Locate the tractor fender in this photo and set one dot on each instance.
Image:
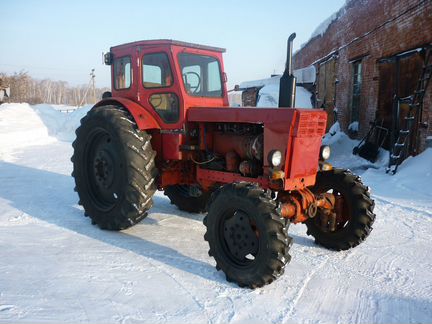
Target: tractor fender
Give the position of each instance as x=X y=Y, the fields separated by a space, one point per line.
x=141 y=116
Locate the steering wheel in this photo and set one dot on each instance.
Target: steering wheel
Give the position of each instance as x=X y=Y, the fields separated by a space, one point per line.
x=156 y=100
x=194 y=89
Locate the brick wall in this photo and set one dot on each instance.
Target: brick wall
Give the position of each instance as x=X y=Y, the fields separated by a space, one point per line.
x=372 y=30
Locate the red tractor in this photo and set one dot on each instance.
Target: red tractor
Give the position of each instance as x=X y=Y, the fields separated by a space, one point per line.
x=167 y=126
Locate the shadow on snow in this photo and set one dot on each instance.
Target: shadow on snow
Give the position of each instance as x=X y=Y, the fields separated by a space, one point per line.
x=49 y=197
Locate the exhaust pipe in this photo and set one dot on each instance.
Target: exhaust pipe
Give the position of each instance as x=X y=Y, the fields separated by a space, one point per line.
x=287 y=85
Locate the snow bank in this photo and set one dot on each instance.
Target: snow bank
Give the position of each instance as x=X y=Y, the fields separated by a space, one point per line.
x=59 y=124
x=354 y=126
x=23 y=125
x=341 y=152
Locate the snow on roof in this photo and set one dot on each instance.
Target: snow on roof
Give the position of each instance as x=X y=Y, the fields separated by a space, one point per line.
x=268 y=95
x=323 y=26
x=260 y=83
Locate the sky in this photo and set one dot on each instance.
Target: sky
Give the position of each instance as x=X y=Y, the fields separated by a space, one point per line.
x=64 y=40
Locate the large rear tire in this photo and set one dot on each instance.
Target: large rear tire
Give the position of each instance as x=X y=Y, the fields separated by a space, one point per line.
x=354 y=216
x=188 y=198
x=247 y=235
x=113 y=167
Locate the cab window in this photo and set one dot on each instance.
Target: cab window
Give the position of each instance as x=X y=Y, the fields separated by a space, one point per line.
x=166 y=106
x=157 y=74
x=156 y=71
x=201 y=75
x=122 y=73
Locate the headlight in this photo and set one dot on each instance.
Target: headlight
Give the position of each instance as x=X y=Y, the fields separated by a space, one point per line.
x=325 y=152
x=275 y=158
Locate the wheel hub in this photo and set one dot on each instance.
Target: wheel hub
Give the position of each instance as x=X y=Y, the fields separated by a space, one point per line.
x=103 y=169
x=240 y=236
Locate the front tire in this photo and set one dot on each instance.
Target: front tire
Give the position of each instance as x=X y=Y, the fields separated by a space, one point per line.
x=247 y=235
x=113 y=167
x=354 y=214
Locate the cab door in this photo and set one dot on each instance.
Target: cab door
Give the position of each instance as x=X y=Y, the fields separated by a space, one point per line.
x=159 y=87
x=159 y=91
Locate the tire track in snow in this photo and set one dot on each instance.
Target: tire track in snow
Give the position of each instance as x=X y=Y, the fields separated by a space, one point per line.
x=188 y=291
x=424 y=213
x=290 y=311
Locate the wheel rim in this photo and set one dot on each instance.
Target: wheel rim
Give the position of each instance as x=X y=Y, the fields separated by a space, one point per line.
x=102 y=170
x=240 y=238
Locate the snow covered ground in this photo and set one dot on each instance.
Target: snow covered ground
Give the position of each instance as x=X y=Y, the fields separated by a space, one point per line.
x=56 y=267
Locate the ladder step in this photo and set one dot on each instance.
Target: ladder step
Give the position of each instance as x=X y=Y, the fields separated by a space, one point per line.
x=406 y=100
x=409 y=118
x=414 y=105
x=395 y=157
x=400 y=144
x=404 y=132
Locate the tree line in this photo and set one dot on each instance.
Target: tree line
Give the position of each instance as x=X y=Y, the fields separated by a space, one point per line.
x=24 y=88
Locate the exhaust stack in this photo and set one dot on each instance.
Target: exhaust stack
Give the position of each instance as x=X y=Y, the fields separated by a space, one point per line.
x=287 y=85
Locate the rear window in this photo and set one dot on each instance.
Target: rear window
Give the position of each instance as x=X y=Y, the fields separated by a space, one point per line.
x=122 y=73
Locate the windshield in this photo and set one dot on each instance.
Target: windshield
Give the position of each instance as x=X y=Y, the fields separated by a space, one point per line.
x=201 y=75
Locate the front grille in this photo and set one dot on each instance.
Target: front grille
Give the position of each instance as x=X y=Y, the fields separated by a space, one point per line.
x=310 y=124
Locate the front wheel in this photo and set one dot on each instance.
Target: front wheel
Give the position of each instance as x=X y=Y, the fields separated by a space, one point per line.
x=247 y=235
x=353 y=209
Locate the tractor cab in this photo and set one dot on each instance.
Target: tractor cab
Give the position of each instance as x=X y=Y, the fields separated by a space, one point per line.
x=167 y=77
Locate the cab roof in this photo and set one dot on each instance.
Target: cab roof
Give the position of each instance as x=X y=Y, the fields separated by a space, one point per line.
x=170 y=42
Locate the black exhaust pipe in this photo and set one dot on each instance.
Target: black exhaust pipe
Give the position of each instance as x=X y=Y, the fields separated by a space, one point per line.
x=287 y=85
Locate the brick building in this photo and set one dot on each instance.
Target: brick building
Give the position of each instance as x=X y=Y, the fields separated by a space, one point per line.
x=367 y=54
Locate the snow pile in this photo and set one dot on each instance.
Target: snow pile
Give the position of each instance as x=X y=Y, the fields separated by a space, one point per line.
x=59 y=124
x=22 y=125
x=354 y=127
x=341 y=152
x=413 y=175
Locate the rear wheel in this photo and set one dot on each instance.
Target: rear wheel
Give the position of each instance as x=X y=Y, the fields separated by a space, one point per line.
x=247 y=236
x=353 y=209
x=113 y=167
x=189 y=198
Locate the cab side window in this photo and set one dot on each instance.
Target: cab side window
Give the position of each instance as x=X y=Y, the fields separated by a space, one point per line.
x=122 y=73
x=157 y=74
x=156 y=71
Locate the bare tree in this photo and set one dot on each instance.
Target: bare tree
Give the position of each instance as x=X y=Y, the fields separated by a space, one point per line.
x=24 y=88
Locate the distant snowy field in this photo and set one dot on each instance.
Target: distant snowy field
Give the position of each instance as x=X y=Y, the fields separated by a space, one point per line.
x=58 y=268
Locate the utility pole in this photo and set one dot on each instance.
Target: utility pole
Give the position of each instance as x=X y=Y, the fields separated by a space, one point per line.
x=91 y=84
x=93 y=76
